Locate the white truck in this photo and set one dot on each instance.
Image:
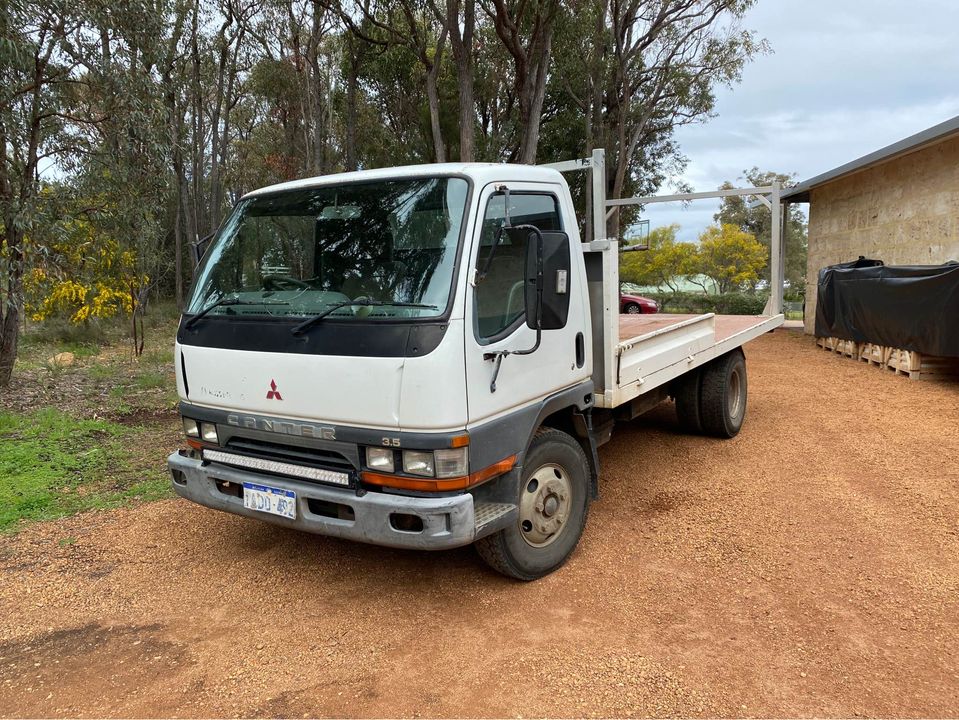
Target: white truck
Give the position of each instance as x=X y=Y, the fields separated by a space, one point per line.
x=428 y=357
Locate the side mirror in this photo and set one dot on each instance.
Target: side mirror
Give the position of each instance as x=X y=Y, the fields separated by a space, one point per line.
x=546 y=286
x=552 y=307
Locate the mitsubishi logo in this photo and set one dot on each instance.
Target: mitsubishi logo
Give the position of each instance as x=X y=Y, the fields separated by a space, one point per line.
x=273 y=393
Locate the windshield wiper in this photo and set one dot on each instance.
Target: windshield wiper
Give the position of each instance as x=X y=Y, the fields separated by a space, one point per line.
x=311 y=321
x=225 y=302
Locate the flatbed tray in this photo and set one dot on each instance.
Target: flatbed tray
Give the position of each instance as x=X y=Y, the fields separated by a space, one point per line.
x=633 y=327
x=654 y=349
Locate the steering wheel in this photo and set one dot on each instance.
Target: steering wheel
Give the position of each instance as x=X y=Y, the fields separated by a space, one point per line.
x=283 y=282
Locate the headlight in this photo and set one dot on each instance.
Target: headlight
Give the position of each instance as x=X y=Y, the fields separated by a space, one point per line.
x=451 y=463
x=190 y=428
x=379 y=459
x=418 y=462
x=208 y=433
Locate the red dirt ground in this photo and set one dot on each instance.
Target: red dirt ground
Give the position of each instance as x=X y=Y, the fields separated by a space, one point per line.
x=808 y=567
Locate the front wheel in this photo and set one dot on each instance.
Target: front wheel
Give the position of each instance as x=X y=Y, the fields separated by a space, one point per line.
x=633 y=309
x=553 y=503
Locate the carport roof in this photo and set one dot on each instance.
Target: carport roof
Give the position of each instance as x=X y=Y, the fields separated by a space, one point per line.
x=929 y=136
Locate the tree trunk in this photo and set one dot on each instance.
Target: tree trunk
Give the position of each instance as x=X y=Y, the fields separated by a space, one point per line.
x=531 y=58
x=352 y=86
x=461 y=42
x=215 y=128
x=199 y=129
x=533 y=110
x=10 y=324
x=432 y=93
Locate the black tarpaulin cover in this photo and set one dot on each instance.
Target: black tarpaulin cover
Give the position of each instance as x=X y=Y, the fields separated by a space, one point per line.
x=912 y=307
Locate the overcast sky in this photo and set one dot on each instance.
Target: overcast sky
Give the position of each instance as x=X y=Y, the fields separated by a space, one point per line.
x=846 y=77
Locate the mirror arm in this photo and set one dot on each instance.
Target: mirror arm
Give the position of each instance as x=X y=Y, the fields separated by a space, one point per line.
x=481 y=276
x=498 y=355
x=198 y=248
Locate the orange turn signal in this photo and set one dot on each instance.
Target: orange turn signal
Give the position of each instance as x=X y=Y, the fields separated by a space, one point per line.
x=440 y=485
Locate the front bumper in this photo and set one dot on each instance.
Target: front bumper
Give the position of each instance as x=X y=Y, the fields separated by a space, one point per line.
x=448 y=522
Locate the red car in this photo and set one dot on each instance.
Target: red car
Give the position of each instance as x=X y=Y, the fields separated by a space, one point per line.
x=636 y=304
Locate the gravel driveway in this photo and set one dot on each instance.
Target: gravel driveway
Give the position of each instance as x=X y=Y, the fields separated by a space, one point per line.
x=810 y=566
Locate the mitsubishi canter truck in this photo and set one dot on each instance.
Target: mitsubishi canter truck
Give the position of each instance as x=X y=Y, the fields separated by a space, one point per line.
x=427 y=357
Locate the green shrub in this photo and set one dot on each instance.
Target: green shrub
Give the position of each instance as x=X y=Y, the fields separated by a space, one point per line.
x=698 y=303
x=60 y=332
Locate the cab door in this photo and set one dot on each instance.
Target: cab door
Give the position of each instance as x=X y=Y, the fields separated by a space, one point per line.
x=495 y=306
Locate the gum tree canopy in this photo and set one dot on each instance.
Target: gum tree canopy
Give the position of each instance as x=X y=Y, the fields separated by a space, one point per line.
x=131 y=128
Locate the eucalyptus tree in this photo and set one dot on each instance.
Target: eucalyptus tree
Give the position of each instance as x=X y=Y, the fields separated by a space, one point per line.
x=637 y=69
x=758 y=221
x=525 y=29
x=39 y=84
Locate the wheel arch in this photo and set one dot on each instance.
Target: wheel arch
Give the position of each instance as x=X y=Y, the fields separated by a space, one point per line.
x=576 y=421
x=568 y=410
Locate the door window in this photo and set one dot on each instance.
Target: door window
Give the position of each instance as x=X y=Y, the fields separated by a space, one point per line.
x=499 y=297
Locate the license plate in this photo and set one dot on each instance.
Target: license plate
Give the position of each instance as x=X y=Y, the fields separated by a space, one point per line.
x=275 y=501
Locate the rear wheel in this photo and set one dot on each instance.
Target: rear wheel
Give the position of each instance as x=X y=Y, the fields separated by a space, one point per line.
x=553 y=503
x=722 y=404
x=687 y=395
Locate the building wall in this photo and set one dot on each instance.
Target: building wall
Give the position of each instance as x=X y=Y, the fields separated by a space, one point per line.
x=903 y=212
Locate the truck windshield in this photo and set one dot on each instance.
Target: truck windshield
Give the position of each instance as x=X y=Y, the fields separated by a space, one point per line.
x=387 y=245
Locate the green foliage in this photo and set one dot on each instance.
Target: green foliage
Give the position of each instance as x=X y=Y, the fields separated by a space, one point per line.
x=663 y=263
x=77 y=270
x=131 y=127
x=735 y=303
x=731 y=257
x=54 y=465
x=727 y=255
x=758 y=221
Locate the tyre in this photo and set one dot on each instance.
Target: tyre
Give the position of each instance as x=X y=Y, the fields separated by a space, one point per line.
x=553 y=503
x=722 y=402
x=687 y=395
x=632 y=309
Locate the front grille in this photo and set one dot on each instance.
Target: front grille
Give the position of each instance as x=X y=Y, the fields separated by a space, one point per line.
x=289 y=453
x=307 y=457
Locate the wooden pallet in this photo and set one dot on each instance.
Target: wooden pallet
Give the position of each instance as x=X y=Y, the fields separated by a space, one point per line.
x=848 y=348
x=902 y=362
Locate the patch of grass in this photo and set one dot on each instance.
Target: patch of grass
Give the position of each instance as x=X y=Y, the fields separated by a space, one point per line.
x=54 y=465
x=151 y=379
x=82 y=349
x=162 y=314
x=103 y=371
x=159 y=356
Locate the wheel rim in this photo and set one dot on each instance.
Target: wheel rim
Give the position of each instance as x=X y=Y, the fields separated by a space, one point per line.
x=632 y=309
x=544 y=505
x=734 y=398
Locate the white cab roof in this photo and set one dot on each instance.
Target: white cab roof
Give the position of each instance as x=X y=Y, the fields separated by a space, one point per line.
x=480 y=173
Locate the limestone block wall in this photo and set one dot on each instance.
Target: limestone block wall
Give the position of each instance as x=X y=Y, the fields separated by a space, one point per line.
x=903 y=212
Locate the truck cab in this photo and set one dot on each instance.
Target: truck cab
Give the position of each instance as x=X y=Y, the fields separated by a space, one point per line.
x=390 y=393
x=403 y=357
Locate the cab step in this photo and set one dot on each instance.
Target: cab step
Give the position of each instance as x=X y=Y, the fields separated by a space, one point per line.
x=492 y=516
